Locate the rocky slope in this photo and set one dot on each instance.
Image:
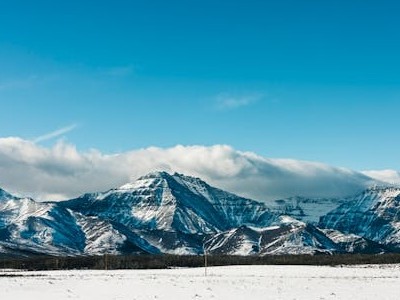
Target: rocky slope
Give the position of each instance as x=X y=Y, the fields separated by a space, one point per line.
x=373 y=214
x=306 y=209
x=178 y=214
x=160 y=201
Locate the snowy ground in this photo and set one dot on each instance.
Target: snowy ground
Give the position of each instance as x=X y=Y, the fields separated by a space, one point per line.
x=237 y=282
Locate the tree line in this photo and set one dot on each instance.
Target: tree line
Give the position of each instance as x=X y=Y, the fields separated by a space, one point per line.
x=111 y=262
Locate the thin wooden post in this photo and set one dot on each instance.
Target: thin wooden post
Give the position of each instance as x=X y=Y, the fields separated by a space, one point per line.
x=205 y=261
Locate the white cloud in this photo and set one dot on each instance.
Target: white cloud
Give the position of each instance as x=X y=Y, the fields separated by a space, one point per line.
x=55 y=134
x=31 y=169
x=388 y=176
x=226 y=101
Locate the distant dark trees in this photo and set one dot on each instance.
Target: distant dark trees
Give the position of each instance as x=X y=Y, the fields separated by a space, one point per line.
x=111 y=262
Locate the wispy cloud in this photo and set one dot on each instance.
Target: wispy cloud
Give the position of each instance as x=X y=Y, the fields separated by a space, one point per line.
x=227 y=101
x=55 y=133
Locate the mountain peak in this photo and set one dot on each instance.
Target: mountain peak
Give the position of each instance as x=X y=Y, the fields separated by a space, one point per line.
x=174 y=213
x=187 y=177
x=167 y=175
x=177 y=203
x=149 y=180
x=157 y=177
x=155 y=174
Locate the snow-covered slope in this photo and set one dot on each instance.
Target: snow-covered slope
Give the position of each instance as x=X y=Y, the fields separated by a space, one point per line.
x=352 y=243
x=178 y=214
x=173 y=213
x=160 y=201
x=39 y=227
x=373 y=214
x=28 y=226
x=306 y=209
x=157 y=213
x=290 y=237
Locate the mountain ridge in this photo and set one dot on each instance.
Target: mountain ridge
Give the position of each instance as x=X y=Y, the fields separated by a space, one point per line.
x=178 y=214
x=373 y=214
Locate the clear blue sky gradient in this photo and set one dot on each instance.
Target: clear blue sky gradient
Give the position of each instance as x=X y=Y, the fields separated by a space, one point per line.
x=313 y=80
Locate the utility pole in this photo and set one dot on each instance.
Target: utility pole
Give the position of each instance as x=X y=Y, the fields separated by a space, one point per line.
x=205 y=260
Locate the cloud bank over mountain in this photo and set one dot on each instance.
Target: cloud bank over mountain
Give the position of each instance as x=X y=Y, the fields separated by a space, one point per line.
x=61 y=171
x=388 y=176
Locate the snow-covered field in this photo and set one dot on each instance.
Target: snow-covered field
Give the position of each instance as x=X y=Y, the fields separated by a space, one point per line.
x=234 y=282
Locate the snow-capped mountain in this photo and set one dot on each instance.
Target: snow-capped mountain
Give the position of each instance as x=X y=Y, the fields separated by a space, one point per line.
x=352 y=243
x=160 y=201
x=174 y=213
x=373 y=214
x=33 y=226
x=178 y=214
x=39 y=227
x=289 y=237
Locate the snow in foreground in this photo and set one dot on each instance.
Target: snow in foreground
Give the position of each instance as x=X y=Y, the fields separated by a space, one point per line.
x=235 y=282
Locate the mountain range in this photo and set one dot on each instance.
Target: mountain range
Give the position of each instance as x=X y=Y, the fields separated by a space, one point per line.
x=178 y=214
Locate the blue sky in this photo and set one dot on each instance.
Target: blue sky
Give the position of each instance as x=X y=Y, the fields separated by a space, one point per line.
x=311 y=80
